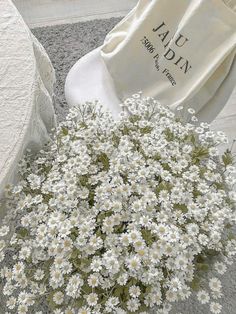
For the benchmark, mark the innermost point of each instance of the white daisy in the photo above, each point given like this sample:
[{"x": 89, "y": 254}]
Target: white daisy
[
  {"x": 203, "y": 296},
  {"x": 215, "y": 308},
  {"x": 58, "y": 297}
]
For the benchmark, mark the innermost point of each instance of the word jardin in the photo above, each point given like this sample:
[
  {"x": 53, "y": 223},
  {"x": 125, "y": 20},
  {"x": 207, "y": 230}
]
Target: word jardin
[{"x": 170, "y": 54}]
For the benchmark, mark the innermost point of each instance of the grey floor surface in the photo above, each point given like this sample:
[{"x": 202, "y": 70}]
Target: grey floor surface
[{"x": 65, "y": 44}]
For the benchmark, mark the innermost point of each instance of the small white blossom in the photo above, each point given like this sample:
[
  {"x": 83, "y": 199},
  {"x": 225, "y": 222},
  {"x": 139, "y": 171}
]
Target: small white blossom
[
  {"x": 58, "y": 298},
  {"x": 92, "y": 299},
  {"x": 220, "y": 268},
  {"x": 134, "y": 291},
  {"x": 4, "y": 231},
  {"x": 215, "y": 284},
  {"x": 203, "y": 297},
  {"x": 215, "y": 308},
  {"x": 114, "y": 207}
]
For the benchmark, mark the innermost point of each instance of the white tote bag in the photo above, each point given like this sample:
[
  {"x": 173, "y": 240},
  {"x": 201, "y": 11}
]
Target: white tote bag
[{"x": 177, "y": 51}]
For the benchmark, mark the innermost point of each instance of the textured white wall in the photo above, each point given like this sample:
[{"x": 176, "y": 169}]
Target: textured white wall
[{"x": 50, "y": 12}]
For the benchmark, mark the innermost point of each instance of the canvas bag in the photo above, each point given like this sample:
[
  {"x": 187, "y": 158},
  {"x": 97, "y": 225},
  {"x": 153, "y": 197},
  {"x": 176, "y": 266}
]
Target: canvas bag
[{"x": 177, "y": 51}]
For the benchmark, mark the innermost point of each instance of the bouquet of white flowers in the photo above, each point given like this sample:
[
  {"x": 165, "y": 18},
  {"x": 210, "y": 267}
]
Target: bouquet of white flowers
[{"x": 120, "y": 216}]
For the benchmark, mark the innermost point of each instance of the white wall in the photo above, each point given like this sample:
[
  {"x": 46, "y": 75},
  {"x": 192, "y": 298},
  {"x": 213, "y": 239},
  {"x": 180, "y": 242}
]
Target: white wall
[{"x": 50, "y": 12}]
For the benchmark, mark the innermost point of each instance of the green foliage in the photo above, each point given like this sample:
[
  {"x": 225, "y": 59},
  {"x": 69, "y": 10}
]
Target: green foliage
[
  {"x": 143, "y": 308},
  {"x": 182, "y": 207},
  {"x": 47, "y": 197},
  {"x": 227, "y": 158},
  {"x": 195, "y": 284},
  {"x": 52, "y": 305},
  {"x": 200, "y": 153},
  {"x": 75, "y": 253},
  {"x": 200, "y": 258},
  {"x": 163, "y": 186},
  {"x": 202, "y": 171},
  {"x": 23, "y": 232},
  {"x": 231, "y": 236},
  {"x": 65, "y": 131},
  {"x": 83, "y": 180},
  {"x": 211, "y": 253},
  {"x": 74, "y": 234},
  {"x": 91, "y": 197},
  {"x": 83, "y": 125},
  {"x": 134, "y": 118},
  {"x": 147, "y": 236},
  {"x": 46, "y": 169},
  {"x": 104, "y": 160},
  {"x": 169, "y": 135},
  {"x": 157, "y": 157},
  {"x": 118, "y": 291},
  {"x": 116, "y": 140},
  {"x": 102, "y": 215},
  {"x": 219, "y": 185},
  {"x": 203, "y": 263},
  {"x": 87, "y": 289},
  {"x": 146, "y": 130},
  {"x": 192, "y": 139},
  {"x": 79, "y": 303},
  {"x": 196, "y": 193},
  {"x": 125, "y": 130},
  {"x": 166, "y": 166},
  {"x": 202, "y": 266}
]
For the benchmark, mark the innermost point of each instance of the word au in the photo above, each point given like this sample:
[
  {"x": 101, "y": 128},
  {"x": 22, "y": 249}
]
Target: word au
[{"x": 170, "y": 54}]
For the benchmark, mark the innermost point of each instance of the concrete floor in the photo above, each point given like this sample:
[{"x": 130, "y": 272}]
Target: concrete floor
[{"x": 39, "y": 13}]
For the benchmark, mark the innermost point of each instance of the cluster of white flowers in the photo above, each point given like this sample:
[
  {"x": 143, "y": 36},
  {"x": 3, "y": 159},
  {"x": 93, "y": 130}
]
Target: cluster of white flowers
[{"x": 120, "y": 216}]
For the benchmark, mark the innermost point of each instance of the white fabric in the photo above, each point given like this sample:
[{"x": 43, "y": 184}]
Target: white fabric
[
  {"x": 26, "y": 89},
  {"x": 180, "y": 52},
  {"x": 89, "y": 80}
]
